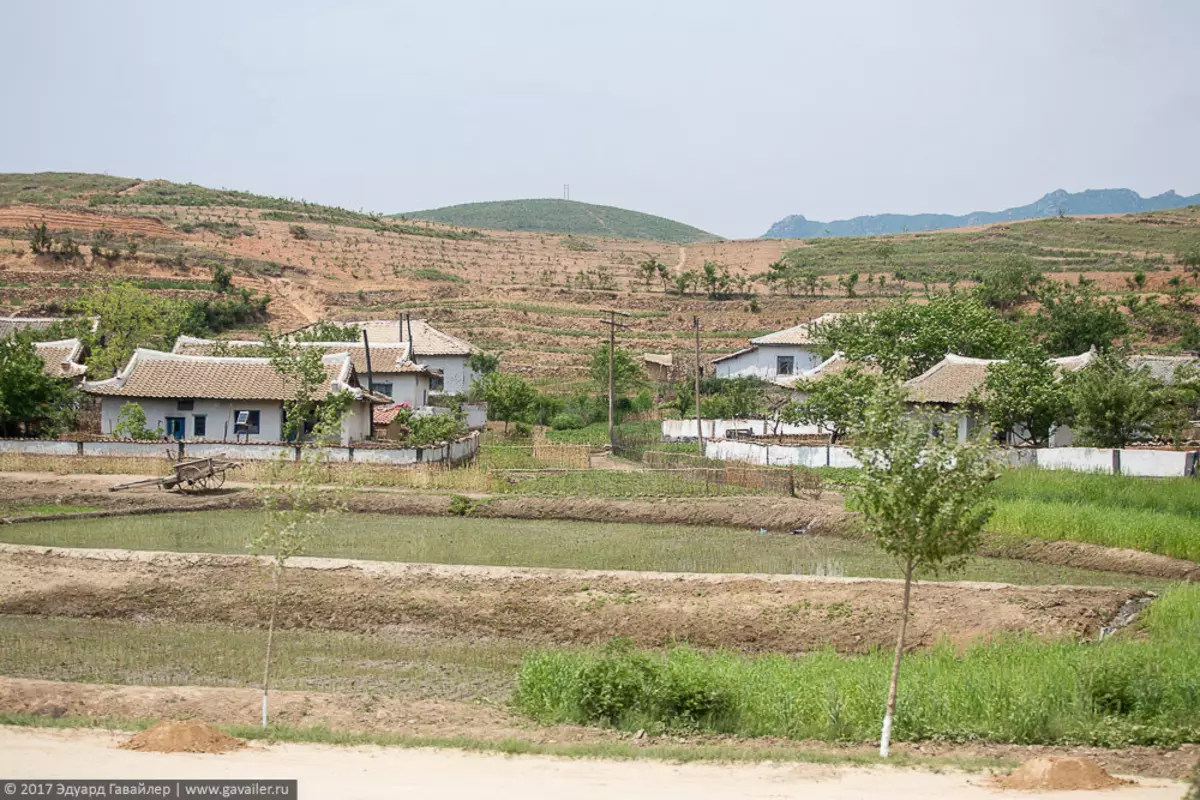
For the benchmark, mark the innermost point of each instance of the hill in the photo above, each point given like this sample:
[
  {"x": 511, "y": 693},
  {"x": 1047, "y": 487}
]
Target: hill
[
  {"x": 564, "y": 216},
  {"x": 1054, "y": 204}
]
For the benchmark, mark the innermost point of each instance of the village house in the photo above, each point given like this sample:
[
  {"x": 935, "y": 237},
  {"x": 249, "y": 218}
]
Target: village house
[
  {"x": 834, "y": 365},
  {"x": 224, "y": 398},
  {"x": 61, "y": 357},
  {"x": 391, "y": 371},
  {"x": 946, "y": 386},
  {"x": 659, "y": 366},
  {"x": 447, "y": 356},
  {"x": 776, "y": 355}
]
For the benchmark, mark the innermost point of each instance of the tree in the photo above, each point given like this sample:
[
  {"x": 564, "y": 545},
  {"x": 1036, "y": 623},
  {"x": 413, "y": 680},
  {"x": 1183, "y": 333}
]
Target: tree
[
  {"x": 30, "y": 400},
  {"x": 1114, "y": 403},
  {"x": 39, "y": 239},
  {"x": 628, "y": 373},
  {"x": 482, "y": 363},
  {"x": 848, "y": 282},
  {"x": 222, "y": 278},
  {"x": 1008, "y": 283},
  {"x": 131, "y": 318},
  {"x": 325, "y": 331},
  {"x": 508, "y": 396},
  {"x": 836, "y": 403},
  {"x": 299, "y": 505},
  {"x": 732, "y": 398},
  {"x": 1023, "y": 396},
  {"x": 923, "y": 499},
  {"x": 131, "y": 422},
  {"x": 907, "y": 338},
  {"x": 649, "y": 269},
  {"x": 1178, "y": 403},
  {"x": 664, "y": 275},
  {"x": 1073, "y": 319}
]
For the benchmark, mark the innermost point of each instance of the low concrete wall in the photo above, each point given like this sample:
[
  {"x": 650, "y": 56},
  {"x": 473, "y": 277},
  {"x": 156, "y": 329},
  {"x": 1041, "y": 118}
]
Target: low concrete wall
[
  {"x": 1077, "y": 459},
  {"x": 453, "y": 452},
  {"x": 779, "y": 455},
  {"x": 684, "y": 430},
  {"x": 1155, "y": 463}
]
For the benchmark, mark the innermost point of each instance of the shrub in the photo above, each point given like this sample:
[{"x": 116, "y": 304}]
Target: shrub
[
  {"x": 298, "y": 231},
  {"x": 131, "y": 423},
  {"x": 566, "y": 422},
  {"x": 461, "y": 505}
]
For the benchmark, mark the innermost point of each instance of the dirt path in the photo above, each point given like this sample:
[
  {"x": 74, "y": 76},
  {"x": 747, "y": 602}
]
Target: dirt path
[
  {"x": 776, "y": 613},
  {"x": 611, "y": 462},
  {"x": 366, "y": 773}
]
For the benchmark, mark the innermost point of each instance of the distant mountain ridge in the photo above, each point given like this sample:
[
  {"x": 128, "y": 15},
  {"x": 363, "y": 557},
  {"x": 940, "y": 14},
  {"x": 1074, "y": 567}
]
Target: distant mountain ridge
[
  {"x": 550, "y": 215},
  {"x": 1091, "y": 201}
]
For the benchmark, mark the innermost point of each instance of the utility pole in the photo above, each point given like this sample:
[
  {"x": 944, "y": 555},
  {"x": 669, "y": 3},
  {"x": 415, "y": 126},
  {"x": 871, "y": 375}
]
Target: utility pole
[
  {"x": 612, "y": 324},
  {"x": 699, "y": 424}
]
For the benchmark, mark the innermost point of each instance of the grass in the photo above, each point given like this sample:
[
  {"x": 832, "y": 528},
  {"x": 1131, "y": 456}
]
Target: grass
[
  {"x": 23, "y": 509},
  {"x": 536, "y": 543},
  {"x": 174, "y": 654},
  {"x": 723, "y": 753},
  {"x": 596, "y": 434},
  {"x": 563, "y": 216},
  {"x": 50, "y": 188},
  {"x": 1133, "y": 689}
]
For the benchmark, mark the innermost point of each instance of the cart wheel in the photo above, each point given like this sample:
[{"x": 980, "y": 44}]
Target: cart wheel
[
  {"x": 217, "y": 480},
  {"x": 204, "y": 484}
]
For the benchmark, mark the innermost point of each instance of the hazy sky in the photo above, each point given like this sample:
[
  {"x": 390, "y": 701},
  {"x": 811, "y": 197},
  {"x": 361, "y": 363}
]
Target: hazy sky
[{"x": 724, "y": 115}]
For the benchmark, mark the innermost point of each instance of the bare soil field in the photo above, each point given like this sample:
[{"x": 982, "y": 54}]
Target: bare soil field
[
  {"x": 365, "y": 772},
  {"x": 748, "y": 612}
]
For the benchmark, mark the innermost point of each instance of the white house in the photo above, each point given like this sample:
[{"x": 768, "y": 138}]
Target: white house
[
  {"x": 225, "y": 398},
  {"x": 391, "y": 371},
  {"x": 61, "y": 356},
  {"x": 441, "y": 352},
  {"x": 946, "y": 386},
  {"x": 776, "y": 355}
]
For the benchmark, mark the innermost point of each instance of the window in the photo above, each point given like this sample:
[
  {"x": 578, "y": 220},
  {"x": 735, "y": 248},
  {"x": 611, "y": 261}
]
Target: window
[
  {"x": 186, "y": 405},
  {"x": 784, "y": 365},
  {"x": 245, "y": 422},
  {"x": 436, "y": 383},
  {"x": 380, "y": 387},
  {"x": 199, "y": 425},
  {"x": 175, "y": 429}
]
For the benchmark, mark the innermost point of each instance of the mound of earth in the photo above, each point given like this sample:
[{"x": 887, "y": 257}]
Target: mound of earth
[
  {"x": 1058, "y": 773},
  {"x": 182, "y": 737}
]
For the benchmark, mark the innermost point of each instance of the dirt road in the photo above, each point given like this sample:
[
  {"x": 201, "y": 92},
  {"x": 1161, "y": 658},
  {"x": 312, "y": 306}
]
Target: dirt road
[{"x": 362, "y": 773}]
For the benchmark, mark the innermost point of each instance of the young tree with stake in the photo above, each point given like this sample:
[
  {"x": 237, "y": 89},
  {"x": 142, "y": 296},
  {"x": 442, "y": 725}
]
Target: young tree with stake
[
  {"x": 923, "y": 498},
  {"x": 297, "y": 506}
]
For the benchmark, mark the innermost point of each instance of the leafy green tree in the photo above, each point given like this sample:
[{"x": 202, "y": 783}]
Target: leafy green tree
[
  {"x": 508, "y": 396},
  {"x": 1023, "y": 396},
  {"x": 848, "y": 282},
  {"x": 907, "y": 338},
  {"x": 131, "y": 318},
  {"x": 30, "y": 400},
  {"x": 482, "y": 363},
  {"x": 325, "y": 331},
  {"x": 923, "y": 498},
  {"x": 39, "y": 239},
  {"x": 1072, "y": 319},
  {"x": 732, "y": 398},
  {"x": 1178, "y": 403},
  {"x": 222, "y": 278},
  {"x": 649, "y": 269},
  {"x": 1190, "y": 257},
  {"x": 836, "y": 402},
  {"x": 629, "y": 374},
  {"x": 1008, "y": 283},
  {"x": 1114, "y": 403},
  {"x": 131, "y": 423}
]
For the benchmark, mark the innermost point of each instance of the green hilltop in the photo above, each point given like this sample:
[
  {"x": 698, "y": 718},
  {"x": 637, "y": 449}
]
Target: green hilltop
[{"x": 563, "y": 216}]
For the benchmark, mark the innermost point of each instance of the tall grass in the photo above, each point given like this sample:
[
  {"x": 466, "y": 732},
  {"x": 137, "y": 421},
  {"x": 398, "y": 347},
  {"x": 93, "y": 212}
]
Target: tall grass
[
  {"x": 1130, "y": 690},
  {"x": 1179, "y": 496}
]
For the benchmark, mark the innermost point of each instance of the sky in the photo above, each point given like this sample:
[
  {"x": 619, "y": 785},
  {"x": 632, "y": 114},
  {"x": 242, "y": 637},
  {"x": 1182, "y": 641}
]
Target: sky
[{"x": 724, "y": 115}]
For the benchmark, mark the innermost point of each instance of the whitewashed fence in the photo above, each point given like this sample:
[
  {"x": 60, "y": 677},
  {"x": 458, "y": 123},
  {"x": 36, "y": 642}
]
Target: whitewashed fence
[
  {"x": 450, "y": 452},
  {"x": 684, "y": 430}
]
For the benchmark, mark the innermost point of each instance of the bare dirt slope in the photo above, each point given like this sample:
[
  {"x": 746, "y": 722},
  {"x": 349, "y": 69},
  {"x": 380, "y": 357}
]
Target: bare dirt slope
[
  {"x": 365, "y": 773},
  {"x": 748, "y": 612}
]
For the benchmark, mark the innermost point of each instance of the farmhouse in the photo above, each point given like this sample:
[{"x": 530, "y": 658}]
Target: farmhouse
[
  {"x": 61, "y": 357},
  {"x": 776, "y": 355},
  {"x": 392, "y": 372},
  {"x": 659, "y": 366},
  {"x": 948, "y": 384},
  {"x": 447, "y": 355},
  {"x": 834, "y": 365},
  {"x": 222, "y": 397}
]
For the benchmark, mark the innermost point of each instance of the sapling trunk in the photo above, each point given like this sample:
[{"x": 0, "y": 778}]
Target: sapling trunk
[
  {"x": 276, "y": 571},
  {"x": 885, "y": 740}
]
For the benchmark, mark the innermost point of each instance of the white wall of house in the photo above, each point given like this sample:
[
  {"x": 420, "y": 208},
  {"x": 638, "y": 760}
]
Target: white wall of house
[
  {"x": 763, "y": 361},
  {"x": 219, "y": 417},
  {"x": 406, "y": 387},
  {"x": 457, "y": 376}
]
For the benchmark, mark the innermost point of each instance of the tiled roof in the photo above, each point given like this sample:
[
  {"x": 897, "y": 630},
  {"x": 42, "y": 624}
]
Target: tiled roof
[
  {"x": 1162, "y": 368},
  {"x": 150, "y": 373},
  {"x": 804, "y": 333},
  {"x": 834, "y": 365},
  {"x": 386, "y": 413},
  {"x": 663, "y": 360},
  {"x": 11, "y": 325},
  {"x": 735, "y": 354},
  {"x": 428, "y": 341},
  {"x": 60, "y": 358},
  {"x": 387, "y": 358},
  {"x": 952, "y": 380}
]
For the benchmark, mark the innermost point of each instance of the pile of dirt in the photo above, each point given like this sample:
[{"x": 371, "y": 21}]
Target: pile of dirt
[
  {"x": 1058, "y": 773},
  {"x": 182, "y": 737}
]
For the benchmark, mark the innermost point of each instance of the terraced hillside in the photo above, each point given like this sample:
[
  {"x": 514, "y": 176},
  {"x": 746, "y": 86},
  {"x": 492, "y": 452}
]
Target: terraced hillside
[{"x": 534, "y": 298}]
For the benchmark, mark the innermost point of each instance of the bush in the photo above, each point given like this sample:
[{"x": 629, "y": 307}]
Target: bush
[
  {"x": 566, "y": 422},
  {"x": 461, "y": 505},
  {"x": 131, "y": 423}
]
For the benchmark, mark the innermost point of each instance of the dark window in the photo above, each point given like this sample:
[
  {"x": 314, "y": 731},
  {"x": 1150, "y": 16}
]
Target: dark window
[
  {"x": 382, "y": 388},
  {"x": 245, "y": 422},
  {"x": 784, "y": 364},
  {"x": 175, "y": 427},
  {"x": 186, "y": 405},
  {"x": 436, "y": 383},
  {"x": 199, "y": 425}
]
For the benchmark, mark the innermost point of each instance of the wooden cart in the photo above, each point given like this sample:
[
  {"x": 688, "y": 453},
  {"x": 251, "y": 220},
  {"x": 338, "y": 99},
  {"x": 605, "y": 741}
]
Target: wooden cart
[{"x": 194, "y": 474}]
